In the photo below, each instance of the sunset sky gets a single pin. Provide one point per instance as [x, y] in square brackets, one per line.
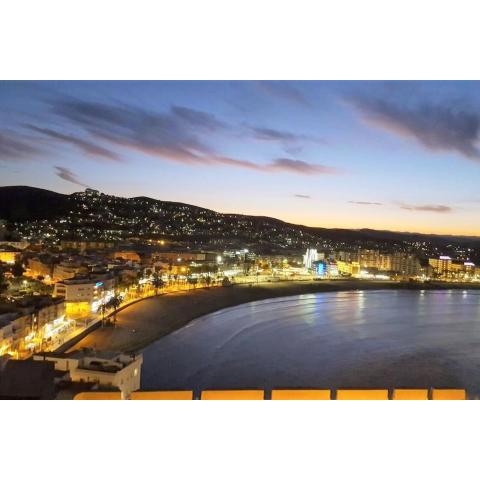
[387, 155]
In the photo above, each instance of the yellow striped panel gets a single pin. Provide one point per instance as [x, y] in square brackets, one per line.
[410, 394]
[300, 394]
[166, 395]
[362, 394]
[232, 395]
[98, 396]
[448, 394]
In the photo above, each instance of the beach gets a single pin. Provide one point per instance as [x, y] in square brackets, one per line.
[141, 323]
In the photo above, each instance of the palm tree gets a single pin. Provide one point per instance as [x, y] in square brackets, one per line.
[114, 303]
[3, 282]
[103, 309]
[17, 269]
[157, 282]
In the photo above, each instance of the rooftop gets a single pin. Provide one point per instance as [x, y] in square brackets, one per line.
[27, 379]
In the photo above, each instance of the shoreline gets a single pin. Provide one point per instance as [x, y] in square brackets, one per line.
[143, 322]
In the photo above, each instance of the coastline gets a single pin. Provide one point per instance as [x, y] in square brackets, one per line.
[142, 323]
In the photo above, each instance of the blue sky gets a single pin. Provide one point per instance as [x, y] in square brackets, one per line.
[389, 155]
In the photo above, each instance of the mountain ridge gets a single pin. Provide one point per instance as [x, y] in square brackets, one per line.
[21, 203]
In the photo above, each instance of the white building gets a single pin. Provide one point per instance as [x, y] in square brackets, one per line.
[311, 256]
[85, 294]
[14, 326]
[108, 370]
[65, 271]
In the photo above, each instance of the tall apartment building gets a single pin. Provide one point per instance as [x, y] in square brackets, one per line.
[442, 265]
[312, 256]
[445, 267]
[406, 264]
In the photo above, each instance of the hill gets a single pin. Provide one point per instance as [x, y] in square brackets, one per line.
[38, 213]
[20, 203]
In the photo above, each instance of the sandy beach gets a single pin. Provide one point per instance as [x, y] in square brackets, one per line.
[142, 323]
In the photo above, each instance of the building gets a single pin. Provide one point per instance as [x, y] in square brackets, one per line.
[85, 245]
[27, 380]
[7, 244]
[107, 370]
[367, 259]
[65, 270]
[319, 268]
[14, 329]
[406, 264]
[129, 256]
[441, 266]
[84, 295]
[447, 268]
[33, 324]
[311, 256]
[9, 256]
[47, 320]
[324, 268]
[40, 267]
[373, 259]
[470, 269]
[348, 268]
[172, 257]
[44, 309]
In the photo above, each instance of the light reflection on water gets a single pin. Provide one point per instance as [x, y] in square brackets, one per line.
[326, 340]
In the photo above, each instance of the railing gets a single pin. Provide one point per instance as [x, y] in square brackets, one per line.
[343, 394]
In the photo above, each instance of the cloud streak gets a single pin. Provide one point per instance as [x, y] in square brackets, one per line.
[178, 135]
[427, 208]
[435, 127]
[414, 208]
[88, 147]
[299, 195]
[283, 90]
[299, 166]
[13, 147]
[291, 142]
[358, 202]
[270, 134]
[69, 176]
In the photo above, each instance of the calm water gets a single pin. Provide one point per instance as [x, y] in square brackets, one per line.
[326, 340]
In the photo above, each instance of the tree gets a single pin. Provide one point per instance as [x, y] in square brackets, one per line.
[3, 282]
[103, 310]
[157, 282]
[126, 282]
[17, 269]
[114, 303]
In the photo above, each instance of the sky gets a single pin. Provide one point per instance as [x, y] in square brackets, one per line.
[401, 156]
